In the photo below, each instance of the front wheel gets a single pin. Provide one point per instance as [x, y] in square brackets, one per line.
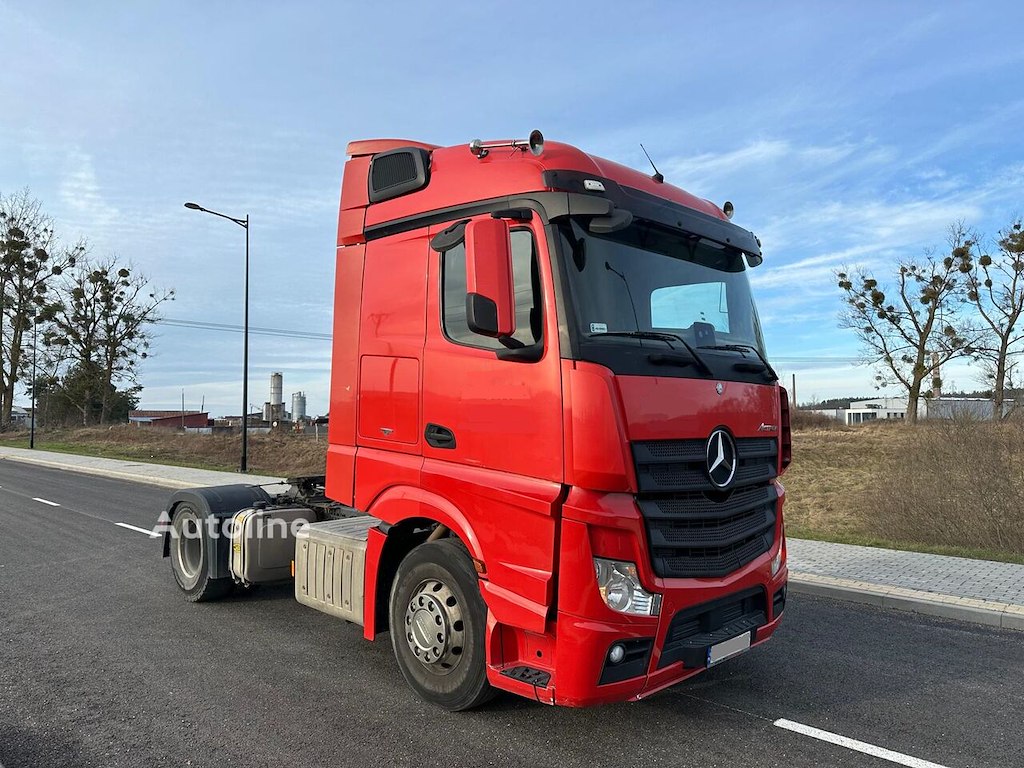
[190, 553]
[438, 618]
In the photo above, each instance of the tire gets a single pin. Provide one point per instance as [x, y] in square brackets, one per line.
[438, 622]
[190, 553]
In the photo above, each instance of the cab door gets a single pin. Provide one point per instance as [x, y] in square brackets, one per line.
[492, 417]
[391, 335]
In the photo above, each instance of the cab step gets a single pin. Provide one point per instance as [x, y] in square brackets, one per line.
[535, 677]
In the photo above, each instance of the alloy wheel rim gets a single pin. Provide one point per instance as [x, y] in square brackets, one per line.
[435, 627]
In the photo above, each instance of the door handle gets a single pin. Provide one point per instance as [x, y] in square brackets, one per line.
[439, 437]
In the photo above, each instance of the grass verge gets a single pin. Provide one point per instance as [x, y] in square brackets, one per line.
[284, 455]
[947, 487]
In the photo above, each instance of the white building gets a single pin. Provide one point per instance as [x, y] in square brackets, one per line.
[871, 410]
[863, 411]
[895, 408]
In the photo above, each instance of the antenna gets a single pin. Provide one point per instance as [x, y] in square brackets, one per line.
[657, 176]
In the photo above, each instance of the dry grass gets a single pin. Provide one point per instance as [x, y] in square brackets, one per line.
[272, 454]
[811, 420]
[943, 485]
[957, 481]
[832, 469]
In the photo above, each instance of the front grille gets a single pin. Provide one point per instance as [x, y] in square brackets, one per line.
[681, 465]
[693, 630]
[694, 529]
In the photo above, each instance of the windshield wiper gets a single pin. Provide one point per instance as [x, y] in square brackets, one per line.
[747, 348]
[668, 338]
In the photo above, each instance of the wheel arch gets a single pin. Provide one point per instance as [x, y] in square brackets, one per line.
[409, 516]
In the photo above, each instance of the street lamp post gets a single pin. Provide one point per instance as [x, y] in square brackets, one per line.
[244, 223]
[35, 382]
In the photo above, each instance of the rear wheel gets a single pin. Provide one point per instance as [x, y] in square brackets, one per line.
[438, 618]
[190, 553]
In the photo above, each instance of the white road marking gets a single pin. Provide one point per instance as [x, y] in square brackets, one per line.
[859, 746]
[45, 501]
[140, 530]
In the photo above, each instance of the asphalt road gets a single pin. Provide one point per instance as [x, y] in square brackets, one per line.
[102, 663]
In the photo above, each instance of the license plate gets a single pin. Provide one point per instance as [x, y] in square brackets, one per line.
[728, 648]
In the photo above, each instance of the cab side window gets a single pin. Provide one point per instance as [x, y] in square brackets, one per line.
[526, 285]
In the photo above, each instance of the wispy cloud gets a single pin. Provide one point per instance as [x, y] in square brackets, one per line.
[808, 271]
[759, 157]
[82, 196]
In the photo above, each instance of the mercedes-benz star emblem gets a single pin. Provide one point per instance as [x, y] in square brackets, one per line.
[721, 456]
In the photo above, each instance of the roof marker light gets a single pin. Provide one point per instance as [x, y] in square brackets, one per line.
[728, 209]
[593, 185]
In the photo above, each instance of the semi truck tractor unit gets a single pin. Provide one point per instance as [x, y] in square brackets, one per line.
[554, 440]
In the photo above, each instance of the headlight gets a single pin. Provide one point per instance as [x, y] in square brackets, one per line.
[777, 560]
[621, 591]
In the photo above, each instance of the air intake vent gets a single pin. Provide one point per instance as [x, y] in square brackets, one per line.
[398, 172]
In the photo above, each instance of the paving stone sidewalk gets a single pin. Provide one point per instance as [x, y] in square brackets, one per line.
[954, 587]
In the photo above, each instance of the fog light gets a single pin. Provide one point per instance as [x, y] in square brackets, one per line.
[616, 654]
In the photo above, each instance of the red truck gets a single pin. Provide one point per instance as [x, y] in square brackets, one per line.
[555, 439]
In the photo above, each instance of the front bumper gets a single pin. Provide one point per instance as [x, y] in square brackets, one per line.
[583, 645]
[695, 613]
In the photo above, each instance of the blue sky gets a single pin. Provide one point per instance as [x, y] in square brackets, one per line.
[845, 134]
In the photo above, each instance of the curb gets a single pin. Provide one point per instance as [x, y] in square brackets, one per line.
[989, 612]
[160, 482]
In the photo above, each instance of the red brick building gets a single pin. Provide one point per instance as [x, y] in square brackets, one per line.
[169, 419]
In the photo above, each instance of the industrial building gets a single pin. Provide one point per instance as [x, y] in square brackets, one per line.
[272, 416]
[169, 419]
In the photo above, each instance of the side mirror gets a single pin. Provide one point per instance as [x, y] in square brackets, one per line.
[490, 304]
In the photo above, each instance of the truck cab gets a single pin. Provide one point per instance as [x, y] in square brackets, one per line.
[554, 421]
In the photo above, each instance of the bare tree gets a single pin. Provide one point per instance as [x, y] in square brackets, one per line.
[30, 260]
[995, 285]
[101, 317]
[910, 331]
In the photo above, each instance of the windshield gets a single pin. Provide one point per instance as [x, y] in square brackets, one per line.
[645, 281]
